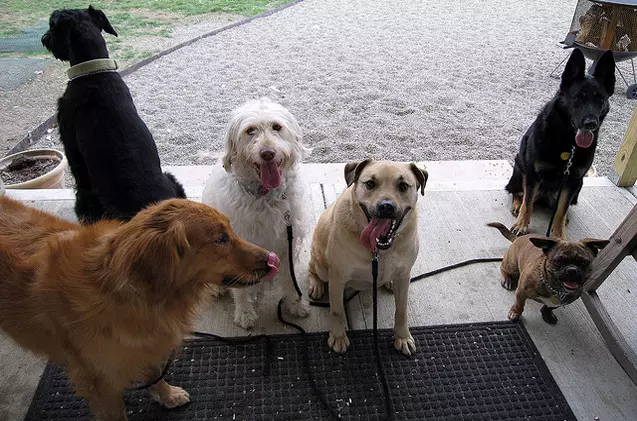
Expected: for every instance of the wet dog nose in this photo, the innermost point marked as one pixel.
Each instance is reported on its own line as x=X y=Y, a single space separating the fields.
x=267 y=154
x=591 y=123
x=385 y=209
x=572 y=272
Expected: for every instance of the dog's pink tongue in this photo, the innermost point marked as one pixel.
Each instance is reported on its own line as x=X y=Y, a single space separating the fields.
x=584 y=138
x=273 y=263
x=570 y=285
x=375 y=229
x=270 y=175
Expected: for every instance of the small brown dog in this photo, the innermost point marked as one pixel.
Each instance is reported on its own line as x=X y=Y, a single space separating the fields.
x=549 y=270
x=111 y=301
x=378 y=211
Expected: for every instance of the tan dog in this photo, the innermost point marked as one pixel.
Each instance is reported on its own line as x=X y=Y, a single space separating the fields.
x=376 y=211
x=549 y=270
x=111 y=301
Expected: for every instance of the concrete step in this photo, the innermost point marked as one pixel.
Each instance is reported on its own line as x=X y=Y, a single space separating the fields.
x=475 y=175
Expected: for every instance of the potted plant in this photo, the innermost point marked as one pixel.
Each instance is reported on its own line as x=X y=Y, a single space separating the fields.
x=33 y=169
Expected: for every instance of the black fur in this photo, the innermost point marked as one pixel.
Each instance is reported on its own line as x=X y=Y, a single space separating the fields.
x=582 y=99
x=110 y=151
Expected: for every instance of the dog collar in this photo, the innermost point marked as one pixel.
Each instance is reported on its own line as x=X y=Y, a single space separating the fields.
x=560 y=297
x=91 y=67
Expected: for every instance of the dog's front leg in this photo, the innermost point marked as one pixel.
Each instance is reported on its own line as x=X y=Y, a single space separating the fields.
x=105 y=401
x=403 y=341
x=292 y=303
x=338 y=339
x=245 y=313
x=558 y=229
x=518 y=305
x=531 y=189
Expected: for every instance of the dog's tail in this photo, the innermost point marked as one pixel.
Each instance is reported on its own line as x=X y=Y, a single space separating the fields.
x=503 y=230
x=179 y=189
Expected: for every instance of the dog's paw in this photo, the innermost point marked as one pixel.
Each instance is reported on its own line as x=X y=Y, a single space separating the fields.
x=338 y=343
x=406 y=345
x=246 y=318
x=520 y=228
x=298 y=307
x=172 y=397
x=548 y=316
x=316 y=290
x=514 y=315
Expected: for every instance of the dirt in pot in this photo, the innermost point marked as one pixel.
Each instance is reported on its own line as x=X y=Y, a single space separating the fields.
x=25 y=168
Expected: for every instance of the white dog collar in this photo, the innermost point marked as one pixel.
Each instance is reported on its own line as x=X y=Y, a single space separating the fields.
x=91 y=67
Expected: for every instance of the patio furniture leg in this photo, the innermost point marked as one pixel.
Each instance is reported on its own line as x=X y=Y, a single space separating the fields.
x=623 y=243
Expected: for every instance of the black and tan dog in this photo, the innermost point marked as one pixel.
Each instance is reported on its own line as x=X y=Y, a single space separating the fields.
x=549 y=270
x=568 y=122
x=111 y=152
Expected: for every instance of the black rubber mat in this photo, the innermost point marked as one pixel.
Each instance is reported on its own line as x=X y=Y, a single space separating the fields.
x=485 y=371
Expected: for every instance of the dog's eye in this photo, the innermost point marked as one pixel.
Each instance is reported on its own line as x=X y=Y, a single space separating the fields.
x=251 y=131
x=223 y=239
x=403 y=187
x=370 y=184
x=276 y=127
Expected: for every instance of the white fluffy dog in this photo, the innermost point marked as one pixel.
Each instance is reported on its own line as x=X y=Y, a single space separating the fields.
x=258 y=187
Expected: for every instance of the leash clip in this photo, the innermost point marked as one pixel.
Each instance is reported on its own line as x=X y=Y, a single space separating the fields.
x=288 y=218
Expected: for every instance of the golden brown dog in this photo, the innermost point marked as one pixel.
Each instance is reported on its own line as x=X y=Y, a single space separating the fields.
x=549 y=270
x=111 y=301
x=376 y=211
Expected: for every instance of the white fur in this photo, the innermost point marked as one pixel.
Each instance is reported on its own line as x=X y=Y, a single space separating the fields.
x=233 y=188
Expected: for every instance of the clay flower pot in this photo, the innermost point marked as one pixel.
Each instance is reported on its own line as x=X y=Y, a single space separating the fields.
x=33 y=169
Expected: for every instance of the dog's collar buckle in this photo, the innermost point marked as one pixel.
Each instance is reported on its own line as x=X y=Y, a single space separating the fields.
x=91 y=67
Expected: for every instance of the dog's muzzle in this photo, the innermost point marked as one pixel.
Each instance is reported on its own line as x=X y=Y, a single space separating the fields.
x=571 y=277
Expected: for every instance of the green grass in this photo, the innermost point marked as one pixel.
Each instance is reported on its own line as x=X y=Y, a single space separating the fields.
x=18 y=14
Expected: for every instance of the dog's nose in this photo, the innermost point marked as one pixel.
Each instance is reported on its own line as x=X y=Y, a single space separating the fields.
x=385 y=209
x=267 y=154
x=572 y=271
x=591 y=123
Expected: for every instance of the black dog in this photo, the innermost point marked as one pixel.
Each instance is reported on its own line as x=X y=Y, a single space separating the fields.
x=568 y=122
x=111 y=152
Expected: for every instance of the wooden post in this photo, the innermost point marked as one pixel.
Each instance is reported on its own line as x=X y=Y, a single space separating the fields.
x=624 y=172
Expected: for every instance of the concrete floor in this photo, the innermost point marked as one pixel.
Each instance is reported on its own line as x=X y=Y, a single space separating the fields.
x=459 y=199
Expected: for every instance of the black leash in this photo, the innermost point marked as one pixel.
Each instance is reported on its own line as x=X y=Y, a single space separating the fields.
x=379 y=363
x=567 y=172
x=422 y=276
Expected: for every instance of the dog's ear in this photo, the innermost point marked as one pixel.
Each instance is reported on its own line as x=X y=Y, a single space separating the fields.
x=421 y=175
x=594 y=244
x=100 y=20
x=604 y=70
x=575 y=69
x=353 y=171
x=546 y=244
x=171 y=230
x=233 y=136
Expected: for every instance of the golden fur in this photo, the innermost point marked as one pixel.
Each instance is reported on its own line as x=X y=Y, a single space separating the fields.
x=111 y=301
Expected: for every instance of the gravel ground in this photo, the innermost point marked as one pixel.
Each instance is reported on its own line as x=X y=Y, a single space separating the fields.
x=404 y=80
